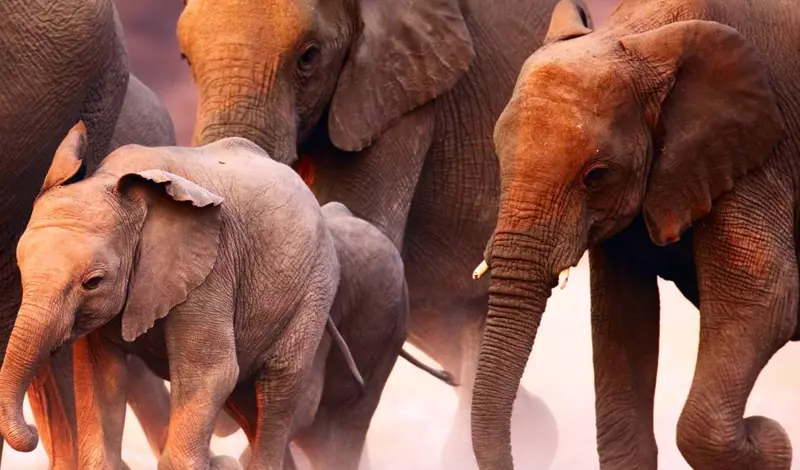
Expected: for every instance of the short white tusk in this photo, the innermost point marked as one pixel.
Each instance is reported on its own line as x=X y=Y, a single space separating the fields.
x=563 y=277
x=480 y=270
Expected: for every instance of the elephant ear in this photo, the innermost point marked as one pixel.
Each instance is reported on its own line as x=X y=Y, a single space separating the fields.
x=68 y=164
x=177 y=249
x=717 y=119
x=570 y=19
x=408 y=52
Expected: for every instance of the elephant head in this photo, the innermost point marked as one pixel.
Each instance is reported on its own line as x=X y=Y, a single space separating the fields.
x=604 y=127
x=271 y=70
x=134 y=246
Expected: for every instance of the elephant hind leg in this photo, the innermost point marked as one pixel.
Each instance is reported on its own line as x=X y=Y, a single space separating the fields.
x=337 y=437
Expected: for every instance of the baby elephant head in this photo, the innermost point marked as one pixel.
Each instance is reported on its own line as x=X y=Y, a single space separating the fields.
x=133 y=244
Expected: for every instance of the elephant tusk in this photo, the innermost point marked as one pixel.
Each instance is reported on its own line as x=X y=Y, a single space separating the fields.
x=563 y=277
x=480 y=270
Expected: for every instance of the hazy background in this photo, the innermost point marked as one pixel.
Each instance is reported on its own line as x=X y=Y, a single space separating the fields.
x=415 y=413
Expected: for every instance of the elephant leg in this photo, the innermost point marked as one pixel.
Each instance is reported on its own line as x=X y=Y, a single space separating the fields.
x=625 y=335
x=337 y=437
x=100 y=385
x=149 y=399
x=748 y=282
x=200 y=385
x=52 y=400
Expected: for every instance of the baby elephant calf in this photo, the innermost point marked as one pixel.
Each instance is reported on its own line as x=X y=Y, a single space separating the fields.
x=371 y=311
x=216 y=267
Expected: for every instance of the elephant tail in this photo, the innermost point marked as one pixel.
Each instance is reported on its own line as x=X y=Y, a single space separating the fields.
x=348 y=356
x=440 y=374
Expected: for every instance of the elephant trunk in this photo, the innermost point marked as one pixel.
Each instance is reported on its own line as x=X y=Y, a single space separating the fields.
x=234 y=104
x=518 y=293
x=36 y=334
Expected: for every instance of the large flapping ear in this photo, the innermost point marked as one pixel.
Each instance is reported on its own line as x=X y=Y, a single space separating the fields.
x=717 y=120
x=68 y=164
x=408 y=52
x=177 y=249
x=570 y=19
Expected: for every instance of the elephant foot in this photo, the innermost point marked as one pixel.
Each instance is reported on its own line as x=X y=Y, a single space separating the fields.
x=764 y=445
x=534 y=436
x=223 y=462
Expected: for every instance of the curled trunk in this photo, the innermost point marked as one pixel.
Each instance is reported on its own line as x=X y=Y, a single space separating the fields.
x=518 y=294
x=32 y=340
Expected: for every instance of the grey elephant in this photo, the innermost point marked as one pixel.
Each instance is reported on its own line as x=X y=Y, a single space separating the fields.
x=371 y=311
x=667 y=143
x=175 y=253
x=388 y=107
x=59 y=62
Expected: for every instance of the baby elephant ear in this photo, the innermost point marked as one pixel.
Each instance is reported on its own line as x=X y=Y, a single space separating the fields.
x=68 y=165
x=178 y=245
x=570 y=19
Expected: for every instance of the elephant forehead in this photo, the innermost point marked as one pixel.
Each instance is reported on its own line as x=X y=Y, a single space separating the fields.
x=76 y=206
x=274 y=24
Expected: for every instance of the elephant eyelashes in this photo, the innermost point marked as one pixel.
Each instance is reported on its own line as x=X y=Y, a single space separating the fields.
x=92 y=283
x=594 y=176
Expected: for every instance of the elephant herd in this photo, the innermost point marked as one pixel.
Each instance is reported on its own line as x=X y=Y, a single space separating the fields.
x=352 y=162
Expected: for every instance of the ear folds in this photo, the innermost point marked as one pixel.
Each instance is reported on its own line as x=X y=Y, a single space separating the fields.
x=717 y=120
x=570 y=19
x=68 y=162
x=408 y=52
x=177 y=248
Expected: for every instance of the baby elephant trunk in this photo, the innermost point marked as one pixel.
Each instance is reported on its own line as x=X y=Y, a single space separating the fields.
x=32 y=340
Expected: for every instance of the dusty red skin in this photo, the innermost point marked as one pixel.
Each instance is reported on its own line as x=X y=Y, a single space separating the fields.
x=305 y=168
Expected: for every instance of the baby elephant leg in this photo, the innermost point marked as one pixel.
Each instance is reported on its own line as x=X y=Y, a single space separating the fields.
x=149 y=399
x=278 y=388
x=336 y=439
x=200 y=384
x=100 y=370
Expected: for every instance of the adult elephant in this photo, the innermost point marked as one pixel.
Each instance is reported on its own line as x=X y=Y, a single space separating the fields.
x=390 y=104
x=667 y=143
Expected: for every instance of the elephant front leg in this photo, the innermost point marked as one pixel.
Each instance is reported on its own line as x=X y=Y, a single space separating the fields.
x=748 y=281
x=625 y=330
x=100 y=385
x=52 y=399
x=200 y=384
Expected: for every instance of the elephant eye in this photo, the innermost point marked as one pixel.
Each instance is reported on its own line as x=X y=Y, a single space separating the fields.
x=92 y=283
x=309 y=58
x=594 y=176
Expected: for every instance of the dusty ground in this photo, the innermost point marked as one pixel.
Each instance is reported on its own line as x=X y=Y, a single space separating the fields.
x=414 y=415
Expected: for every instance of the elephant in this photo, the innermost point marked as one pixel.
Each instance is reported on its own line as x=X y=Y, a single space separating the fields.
x=666 y=144
x=371 y=311
x=59 y=62
x=385 y=106
x=175 y=252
